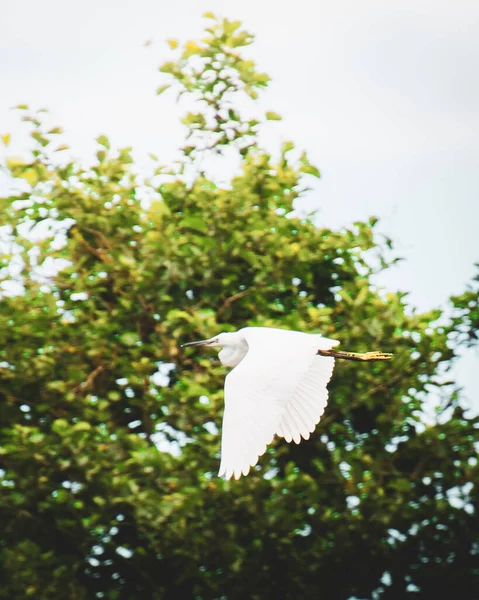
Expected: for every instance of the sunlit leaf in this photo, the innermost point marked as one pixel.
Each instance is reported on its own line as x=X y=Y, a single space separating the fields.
x=162 y=88
x=103 y=141
x=272 y=116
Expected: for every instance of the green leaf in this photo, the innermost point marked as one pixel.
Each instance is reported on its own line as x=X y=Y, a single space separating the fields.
x=162 y=89
x=60 y=425
x=129 y=339
x=272 y=116
x=262 y=80
x=168 y=67
x=310 y=170
x=41 y=139
x=158 y=209
x=191 y=48
x=230 y=27
x=81 y=426
x=195 y=223
x=103 y=141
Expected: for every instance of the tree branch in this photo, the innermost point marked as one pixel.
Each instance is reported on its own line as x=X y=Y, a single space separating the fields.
x=89 y=380
x=366 y=357
x=229 y=301
x=78 y=236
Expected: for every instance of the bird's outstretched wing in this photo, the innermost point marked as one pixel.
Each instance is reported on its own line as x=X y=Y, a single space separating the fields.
x=278 y=388
x=306 y=406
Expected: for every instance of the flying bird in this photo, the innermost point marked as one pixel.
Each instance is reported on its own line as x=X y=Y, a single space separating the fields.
x=278 y=386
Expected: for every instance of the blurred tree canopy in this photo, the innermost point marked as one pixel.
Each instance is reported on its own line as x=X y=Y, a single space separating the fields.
x=109 y=443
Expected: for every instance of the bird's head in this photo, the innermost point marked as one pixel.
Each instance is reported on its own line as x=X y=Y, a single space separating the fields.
x=234 y=347
x=218 y=341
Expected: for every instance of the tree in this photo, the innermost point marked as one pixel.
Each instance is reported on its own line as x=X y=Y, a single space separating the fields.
x=109 y=433
x=466 y=318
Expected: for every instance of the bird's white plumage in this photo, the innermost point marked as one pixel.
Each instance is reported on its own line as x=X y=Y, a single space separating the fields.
x=306 y=406
x=279 y=387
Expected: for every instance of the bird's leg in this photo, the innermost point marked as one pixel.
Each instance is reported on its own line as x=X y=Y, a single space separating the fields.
x=366 y=357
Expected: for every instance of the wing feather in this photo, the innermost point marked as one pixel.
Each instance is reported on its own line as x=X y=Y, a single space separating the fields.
x=309 y=400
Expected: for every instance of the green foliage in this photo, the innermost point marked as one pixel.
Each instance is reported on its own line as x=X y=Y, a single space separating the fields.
x=466 y=318
x=107 y=454
x=213 y=73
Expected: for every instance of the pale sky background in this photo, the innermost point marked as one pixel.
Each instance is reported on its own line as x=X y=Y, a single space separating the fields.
x=384 y=95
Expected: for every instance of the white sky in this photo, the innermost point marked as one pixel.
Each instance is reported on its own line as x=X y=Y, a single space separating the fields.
x=384 y=95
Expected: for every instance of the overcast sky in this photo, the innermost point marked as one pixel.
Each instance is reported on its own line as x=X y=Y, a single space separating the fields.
x=383 y=94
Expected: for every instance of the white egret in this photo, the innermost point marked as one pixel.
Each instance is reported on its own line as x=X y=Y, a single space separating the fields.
x=277 y=387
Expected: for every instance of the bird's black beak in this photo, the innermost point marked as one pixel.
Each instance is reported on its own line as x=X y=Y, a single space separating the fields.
x=200 y=343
